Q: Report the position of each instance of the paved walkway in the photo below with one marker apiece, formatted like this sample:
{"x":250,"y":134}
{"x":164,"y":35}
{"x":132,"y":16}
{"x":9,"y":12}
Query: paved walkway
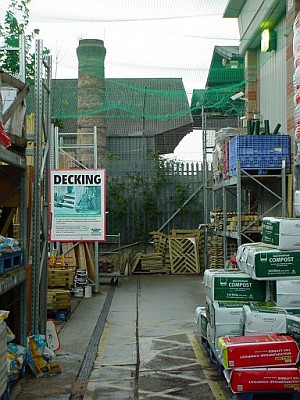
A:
{"x":148,"y":347}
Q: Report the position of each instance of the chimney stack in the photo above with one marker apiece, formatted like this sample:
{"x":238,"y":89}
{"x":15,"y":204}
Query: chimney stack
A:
{"x":91,"y":99}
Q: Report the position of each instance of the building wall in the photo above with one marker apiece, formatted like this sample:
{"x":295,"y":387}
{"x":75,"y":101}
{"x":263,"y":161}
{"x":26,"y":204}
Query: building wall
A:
{"x":272,"y":81}
{"x":133,"y":148}
{"x":252,"y":18}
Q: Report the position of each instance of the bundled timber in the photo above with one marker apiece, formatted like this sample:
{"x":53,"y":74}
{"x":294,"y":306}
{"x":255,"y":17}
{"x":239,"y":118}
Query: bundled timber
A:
{"x":216,"y":252}
{"x":182,"y":251}
{"x":60,"y":277}
{"x":58,"y":299}
{"x":148,"y":263}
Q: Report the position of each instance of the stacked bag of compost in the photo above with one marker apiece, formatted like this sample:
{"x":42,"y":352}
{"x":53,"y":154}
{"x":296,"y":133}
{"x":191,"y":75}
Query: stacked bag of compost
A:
{"x":252,"y":313}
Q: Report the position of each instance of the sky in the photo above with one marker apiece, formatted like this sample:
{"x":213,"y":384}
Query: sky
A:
{"x":143,"y":38}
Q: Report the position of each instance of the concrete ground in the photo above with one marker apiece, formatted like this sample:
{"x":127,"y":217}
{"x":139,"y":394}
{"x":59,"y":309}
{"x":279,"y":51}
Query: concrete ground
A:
{"x":136,"y":340}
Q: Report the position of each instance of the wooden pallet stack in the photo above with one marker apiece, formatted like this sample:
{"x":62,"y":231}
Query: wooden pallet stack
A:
{"x":216,"y":218}
{"x":181,"y":252}
{"x":216,"y":251}
{"x":251,"y":222}
{"x":58,"y":301}
{"x":148,"y":263}
{"x":61,"y":272}
{"x":60,"y":278}
{"x":161,"y":246}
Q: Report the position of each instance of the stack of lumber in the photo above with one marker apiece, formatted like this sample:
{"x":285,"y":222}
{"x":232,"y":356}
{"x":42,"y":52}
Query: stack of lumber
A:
{"x":160,"y":242}
{"x":60,"y":281}
{"x":153,"y":263}
{"x":216,"y":218}
{"x":216,"y":252}
{"x":77,"y":256}
{"x":60,"y":277}
{"x":249,"y":221}
{"x":58,"y":299}
{"x":180,"y":252}
{"x":161,"y":246}
{"x":148,"y":263}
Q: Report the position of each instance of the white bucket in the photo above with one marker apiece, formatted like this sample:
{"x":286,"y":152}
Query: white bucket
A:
{"x":80,"y":282}
{"x":80,"y":273}
{"x":78,"y":292}
{"x":88,"y":291}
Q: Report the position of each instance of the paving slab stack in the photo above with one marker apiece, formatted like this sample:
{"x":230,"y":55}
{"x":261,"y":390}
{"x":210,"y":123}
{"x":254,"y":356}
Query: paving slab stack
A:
{"x":251,"y":320}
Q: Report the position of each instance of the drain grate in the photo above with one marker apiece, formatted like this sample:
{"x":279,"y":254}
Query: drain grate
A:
{"x":86,"y":368}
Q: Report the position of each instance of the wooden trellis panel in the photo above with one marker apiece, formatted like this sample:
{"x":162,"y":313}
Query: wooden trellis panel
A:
{"x":184,"y":255}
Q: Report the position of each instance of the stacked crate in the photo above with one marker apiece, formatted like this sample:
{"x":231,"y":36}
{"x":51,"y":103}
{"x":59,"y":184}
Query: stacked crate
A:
{"x":60,"y":282}
{"x":181,"y":252}
{"x":58,"y":301}
{"x":260,"y":154}
{"x":161,"y":247}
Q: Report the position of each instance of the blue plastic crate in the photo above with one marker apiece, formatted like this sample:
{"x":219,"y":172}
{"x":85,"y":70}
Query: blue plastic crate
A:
{"x":263,"y":153}
{"x":10,"y":261}
{"x":59,"y":315}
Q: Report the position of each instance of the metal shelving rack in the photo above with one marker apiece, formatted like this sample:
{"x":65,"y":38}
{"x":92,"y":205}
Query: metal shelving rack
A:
{"x":237,"y":183}
{"x":42,"y":138}
{"x":16,"y":161}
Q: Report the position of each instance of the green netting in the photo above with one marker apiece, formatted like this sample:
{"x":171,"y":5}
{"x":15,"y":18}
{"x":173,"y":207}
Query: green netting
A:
{"x":157,"y":99}
{"x":143,"y":98}
{"x":161,"y":99}
{"x":218,"y":100}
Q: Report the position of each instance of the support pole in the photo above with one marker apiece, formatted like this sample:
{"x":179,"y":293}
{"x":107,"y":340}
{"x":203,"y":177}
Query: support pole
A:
{"x":96,"y":243}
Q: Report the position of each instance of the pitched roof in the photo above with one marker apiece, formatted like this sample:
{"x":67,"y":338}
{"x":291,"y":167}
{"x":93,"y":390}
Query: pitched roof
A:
{"x":132,"y":106}
{"x":226,"y":67}
{"x":225,"y":77}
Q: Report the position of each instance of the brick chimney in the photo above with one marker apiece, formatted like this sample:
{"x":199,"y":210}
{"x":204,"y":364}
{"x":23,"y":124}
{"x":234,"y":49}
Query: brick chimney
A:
{"x":91,"y":98}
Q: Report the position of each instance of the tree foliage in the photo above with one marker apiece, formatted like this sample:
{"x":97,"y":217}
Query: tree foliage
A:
{"x":14,"y":25}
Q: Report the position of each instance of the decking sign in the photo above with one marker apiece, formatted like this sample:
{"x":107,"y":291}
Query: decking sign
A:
{"x":77,"y":202}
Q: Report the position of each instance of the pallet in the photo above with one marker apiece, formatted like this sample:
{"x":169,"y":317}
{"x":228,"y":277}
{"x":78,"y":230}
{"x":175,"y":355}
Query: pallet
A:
{"x":160,"y":242}
{"x":259,"y":171}
{"x":58,"y":299}
{"x":213,"y":358}
{"x":60,"y":277}
{"x":10,"y":261}
{"x":267,"y":396}
{"x":148,"y":263}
